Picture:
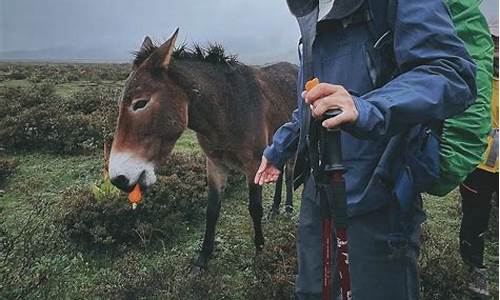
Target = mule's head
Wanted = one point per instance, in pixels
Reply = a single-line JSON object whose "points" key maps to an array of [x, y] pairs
{"points": [[152, 116]]}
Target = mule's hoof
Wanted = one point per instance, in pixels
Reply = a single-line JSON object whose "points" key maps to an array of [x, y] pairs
{"points": [[197, 270], [259, 249]]}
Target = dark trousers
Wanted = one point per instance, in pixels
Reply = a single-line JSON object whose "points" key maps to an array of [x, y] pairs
{"points": [[378, 270], [476, 192]]}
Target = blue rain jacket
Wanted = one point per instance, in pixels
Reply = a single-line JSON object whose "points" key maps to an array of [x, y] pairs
{"points": [[435, 80]]}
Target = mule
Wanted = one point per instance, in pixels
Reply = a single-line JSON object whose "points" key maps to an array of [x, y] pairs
{"points": [[233, 108]]}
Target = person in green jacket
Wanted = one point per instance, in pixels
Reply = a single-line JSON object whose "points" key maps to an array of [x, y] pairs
{"points": [[464, 137], [480, 185]]}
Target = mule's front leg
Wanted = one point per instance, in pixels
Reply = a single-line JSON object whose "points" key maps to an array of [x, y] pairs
{"points": [[216, 183], [275, 210], [289, 187], [255, 208]]}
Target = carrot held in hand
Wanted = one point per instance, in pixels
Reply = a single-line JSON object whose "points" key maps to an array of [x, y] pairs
{"points": [[311, 84]]}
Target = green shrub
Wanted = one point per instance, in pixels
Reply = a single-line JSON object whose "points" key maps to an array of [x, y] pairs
{"points": [[64, 73], [17, 75], [7, 167], [174, 202], [30, 254], [38, 119]]}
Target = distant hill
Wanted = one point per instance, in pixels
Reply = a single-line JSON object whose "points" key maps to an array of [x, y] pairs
{"points": [[66, 54], [69, 54]]}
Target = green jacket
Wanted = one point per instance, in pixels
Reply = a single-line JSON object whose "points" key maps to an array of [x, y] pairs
{"points": [[464, 137]]}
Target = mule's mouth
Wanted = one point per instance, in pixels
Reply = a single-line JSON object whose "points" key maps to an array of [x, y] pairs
{"points": [[126, 170], [123, 183], [141, 181]]}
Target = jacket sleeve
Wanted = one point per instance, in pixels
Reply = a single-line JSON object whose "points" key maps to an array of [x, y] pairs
{"points": [[437, 75], [285, 142]]}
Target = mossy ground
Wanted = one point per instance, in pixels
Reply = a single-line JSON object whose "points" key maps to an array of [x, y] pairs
{"points": [[38, 260]]}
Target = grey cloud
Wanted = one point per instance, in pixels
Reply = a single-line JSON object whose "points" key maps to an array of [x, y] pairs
{"points": [[258, 31]]}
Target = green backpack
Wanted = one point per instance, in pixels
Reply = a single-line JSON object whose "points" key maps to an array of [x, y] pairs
{"points": [[464, 137]]}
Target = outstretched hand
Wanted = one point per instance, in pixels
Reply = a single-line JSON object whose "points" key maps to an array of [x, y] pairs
{"points": [[267, 172]]}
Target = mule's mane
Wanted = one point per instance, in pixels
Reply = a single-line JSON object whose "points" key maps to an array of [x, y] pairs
{"points": [[214, 53], [143, 53]]}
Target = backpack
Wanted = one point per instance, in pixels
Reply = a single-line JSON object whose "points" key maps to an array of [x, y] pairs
{"points": [[440, 155], [464, 137]]}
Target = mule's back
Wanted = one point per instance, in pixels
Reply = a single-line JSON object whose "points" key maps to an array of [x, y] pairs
{"points": [[239, 103]]}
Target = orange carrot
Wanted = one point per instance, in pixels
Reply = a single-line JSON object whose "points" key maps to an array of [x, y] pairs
{"points": [[135, 196], [311, 84]]}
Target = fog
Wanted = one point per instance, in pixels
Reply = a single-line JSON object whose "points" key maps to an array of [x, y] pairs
{"points": [[257, 31]]}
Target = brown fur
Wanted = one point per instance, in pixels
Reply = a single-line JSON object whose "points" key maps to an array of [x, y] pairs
{"points": [[234, 110]]}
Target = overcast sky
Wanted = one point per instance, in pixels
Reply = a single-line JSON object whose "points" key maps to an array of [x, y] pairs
{"points": [[257, 30]]}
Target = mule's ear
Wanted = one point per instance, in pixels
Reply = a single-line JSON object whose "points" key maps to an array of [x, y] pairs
{"points": [[166, 50], [147, 43], [143, 53]]}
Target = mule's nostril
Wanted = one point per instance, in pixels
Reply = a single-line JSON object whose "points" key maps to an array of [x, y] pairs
{"points": [[121, 182]]}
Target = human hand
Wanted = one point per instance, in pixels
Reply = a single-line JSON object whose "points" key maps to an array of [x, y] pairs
{"points": [[324, 97], [266, 173]]}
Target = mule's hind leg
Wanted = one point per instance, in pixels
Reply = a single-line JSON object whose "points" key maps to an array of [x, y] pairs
{"points": [[289, 186], [256, 211], [217, 176], [275, 210]]}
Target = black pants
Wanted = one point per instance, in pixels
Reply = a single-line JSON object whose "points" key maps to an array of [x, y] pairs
{"points": [[476, 191]]}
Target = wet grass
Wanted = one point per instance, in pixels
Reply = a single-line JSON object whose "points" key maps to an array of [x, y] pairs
{"points": [[38, 260], [160, 269], [443, 271]]}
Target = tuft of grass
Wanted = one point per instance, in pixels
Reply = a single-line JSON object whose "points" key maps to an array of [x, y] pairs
{"points": [[188, 144], [103, 190]]}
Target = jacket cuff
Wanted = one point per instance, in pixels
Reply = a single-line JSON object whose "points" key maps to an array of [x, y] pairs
{"points": [[274, 156], [368, 117]]}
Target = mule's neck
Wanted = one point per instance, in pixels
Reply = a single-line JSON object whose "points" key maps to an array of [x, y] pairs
{"points": [[204, 84]]}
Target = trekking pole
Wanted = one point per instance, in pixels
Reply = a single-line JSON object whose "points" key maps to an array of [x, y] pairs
{"points": [[334, 171], [333, 204]]}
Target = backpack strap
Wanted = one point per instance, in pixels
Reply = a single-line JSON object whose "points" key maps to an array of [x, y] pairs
{"points": [[381, 26], [383, 16]]}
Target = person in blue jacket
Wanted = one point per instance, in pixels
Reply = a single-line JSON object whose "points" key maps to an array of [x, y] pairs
{"points": [[386, 82]]}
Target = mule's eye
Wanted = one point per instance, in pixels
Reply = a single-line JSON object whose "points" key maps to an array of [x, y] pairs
{"points": [[139, 104]]}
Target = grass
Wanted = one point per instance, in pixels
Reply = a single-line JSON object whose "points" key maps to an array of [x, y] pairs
{"points": [[68, 88], [441, 258], [46, 177], [234, 271], [188, 143], [160, 269], [64, 89], [21, 83]]}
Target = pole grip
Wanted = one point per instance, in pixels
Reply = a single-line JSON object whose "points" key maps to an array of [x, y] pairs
{"points": [[332, 113]]}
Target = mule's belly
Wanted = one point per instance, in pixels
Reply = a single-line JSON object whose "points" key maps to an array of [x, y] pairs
{"points": [[241, 158]]}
